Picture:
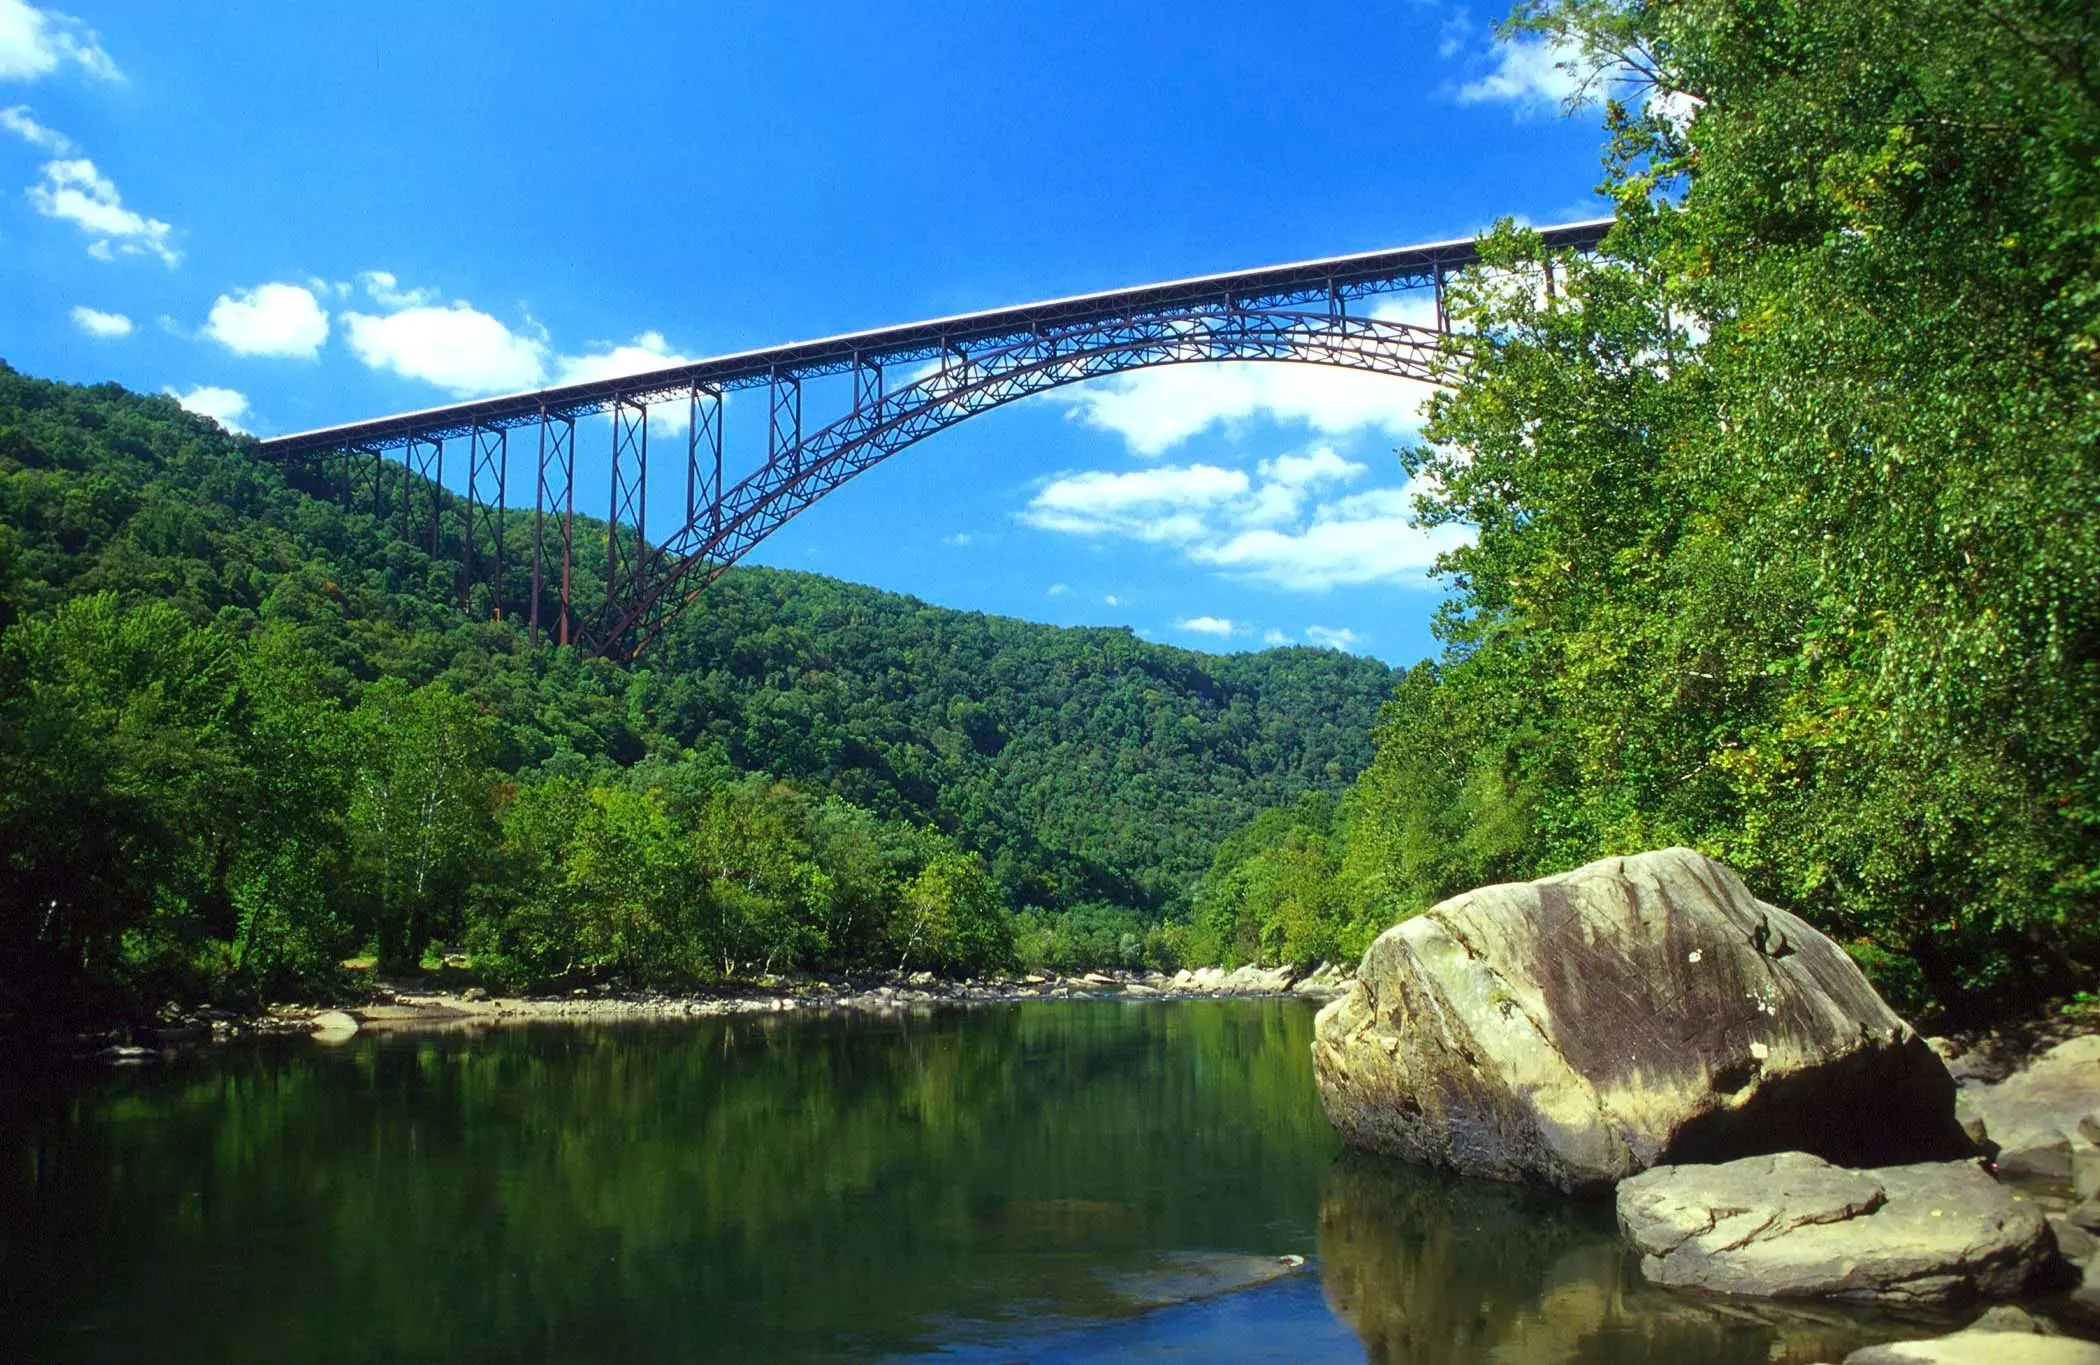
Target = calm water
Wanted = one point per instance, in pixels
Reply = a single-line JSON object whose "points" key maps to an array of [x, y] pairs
{"points": [[1083, 1181]]}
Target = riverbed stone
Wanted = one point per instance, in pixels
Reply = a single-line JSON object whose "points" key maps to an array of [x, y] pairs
{"points": [[2042, 1119], [1795, 1226], [2002, 1336], [333, 1026], [1581, 1028]]}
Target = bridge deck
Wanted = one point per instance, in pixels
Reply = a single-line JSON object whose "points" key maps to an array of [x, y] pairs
{"points": [[1277, 286]]}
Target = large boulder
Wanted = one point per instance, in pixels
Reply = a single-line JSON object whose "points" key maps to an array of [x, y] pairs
{"points": [[1581, 1028], [1795, 1226]]}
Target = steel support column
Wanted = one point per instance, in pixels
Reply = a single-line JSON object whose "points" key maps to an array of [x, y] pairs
{"points": [[488, 470], [703, 455], [422, 457], [558, 494], [784, 431], [867, 383], [628, 506]]}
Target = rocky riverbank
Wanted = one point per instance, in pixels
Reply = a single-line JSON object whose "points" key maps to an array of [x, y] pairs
{"points": [[1769, 1128], [406, 1004]]}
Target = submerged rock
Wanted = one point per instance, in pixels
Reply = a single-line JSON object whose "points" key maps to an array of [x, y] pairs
{"points": [[1581, 1028], [2003, 1336], [1795, 1226]]}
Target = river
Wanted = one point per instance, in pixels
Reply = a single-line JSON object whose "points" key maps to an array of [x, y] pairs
{"points": [[1072, 1181]]}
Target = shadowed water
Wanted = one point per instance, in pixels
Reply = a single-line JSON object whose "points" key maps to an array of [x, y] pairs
{"points": [[1071, 1182]]}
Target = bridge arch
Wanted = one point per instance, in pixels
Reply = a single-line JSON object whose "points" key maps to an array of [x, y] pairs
{"points": [[716, 536], [957, 368]]}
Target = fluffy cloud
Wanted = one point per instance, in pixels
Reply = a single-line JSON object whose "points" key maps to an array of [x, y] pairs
{"points": [[1154, 410], [1150, 504], [459, 348], [1273, 636], [225, 406], [1058, 590], [35, 42], [270, 319], [383, 289], [19, 121], [647, 352], [1291, 527], [1208, 625], [97, 323], [74, 191], [1333, 637], [1365, 538], [1528, 72]]}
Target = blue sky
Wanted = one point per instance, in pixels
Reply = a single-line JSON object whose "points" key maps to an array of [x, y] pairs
{"points": [[292, 215]]}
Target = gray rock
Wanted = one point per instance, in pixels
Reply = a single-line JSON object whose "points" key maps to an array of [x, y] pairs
{"points": [[2075, 1243], [1795, 1226], [2037, 1117], [333, 1026], [2006, 1318], [1985, 1344], [2087, 1295], [1581, 1028]]}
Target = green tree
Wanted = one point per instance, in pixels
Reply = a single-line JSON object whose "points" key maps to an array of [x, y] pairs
{"points": [[419, 815]]}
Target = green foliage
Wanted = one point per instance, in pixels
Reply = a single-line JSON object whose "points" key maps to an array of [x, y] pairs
{"points": [[1788, 502], [244, 732]]}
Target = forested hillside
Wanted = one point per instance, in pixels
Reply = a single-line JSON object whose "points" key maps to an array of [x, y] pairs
{"points": [[1788, 506], [244, 731]]}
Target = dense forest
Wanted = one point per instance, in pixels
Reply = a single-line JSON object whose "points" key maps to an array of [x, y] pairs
{"points": [[246, 733], [1788, 509]]}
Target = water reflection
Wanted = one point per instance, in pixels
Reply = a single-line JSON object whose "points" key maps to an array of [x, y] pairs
{"points": [[725, 1190], [1055, 1182], [1431, 1270]]}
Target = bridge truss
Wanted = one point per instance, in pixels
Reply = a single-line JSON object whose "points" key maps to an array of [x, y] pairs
{"points": [[906, 383]]}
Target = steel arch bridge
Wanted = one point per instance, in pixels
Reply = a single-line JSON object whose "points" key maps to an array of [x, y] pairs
{"points": [[952, 369]]}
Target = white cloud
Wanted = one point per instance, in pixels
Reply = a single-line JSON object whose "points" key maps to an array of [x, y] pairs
{"points": [[383, 289], [1156, 409], [1527, 72], [1112, 600], [1058, 590], [1365, 538], [1258, 529], [1150, 504], [959, 539], [225, 406], [270, 319], [97, 323], [1333, 637], [1316, 466], [1273, 636], [647, 352], [1208, 625], [35, 42], [459, 348], [75, 192], [19, 121]]}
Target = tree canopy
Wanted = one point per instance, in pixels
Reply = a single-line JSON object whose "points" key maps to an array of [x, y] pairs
{"points": [[1786, 503]]}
